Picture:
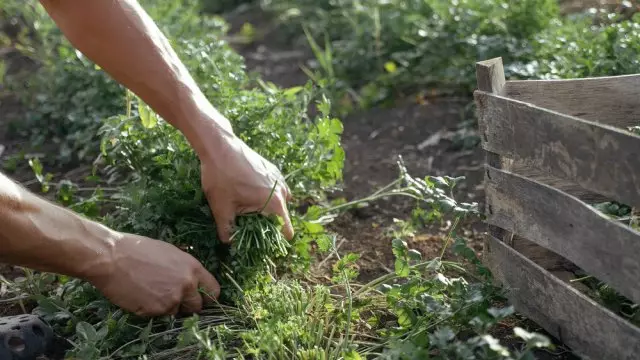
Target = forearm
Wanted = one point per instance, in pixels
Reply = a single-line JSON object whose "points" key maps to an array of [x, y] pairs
{"points": [[37, 234], [122, 39]]}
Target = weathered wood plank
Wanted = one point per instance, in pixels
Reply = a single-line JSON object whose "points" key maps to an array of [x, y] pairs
{"points": [[589, 329], [568, 186], [490, 75], [608, 250], [598, 157], [612, 100], [490, 78]]}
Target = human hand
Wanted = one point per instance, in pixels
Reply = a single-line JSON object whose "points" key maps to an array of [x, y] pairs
{"points": [[153, 278], [237, 180]]}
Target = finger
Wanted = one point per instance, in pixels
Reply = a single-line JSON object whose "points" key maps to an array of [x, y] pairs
{"points": [[225, 218], [287, 229], [279, 208], [208, 285], [192, 301], [173, 311], [287, 193]]}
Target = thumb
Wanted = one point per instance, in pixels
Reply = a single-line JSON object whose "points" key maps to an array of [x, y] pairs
{"points": [[225, 217]]}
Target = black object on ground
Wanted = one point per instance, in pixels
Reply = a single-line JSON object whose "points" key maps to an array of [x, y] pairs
{"points": [[24, 337]]}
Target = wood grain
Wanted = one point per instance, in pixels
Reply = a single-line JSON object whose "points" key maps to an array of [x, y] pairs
{"points": [[568, 186], [598, 157], [606, 249], [490, 75], [591, 331], [612, 100]]}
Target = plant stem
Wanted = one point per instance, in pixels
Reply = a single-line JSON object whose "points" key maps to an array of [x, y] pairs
{"points": [[448, 240], [375, 196]]}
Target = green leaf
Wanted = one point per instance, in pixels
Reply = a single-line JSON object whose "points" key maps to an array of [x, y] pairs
{"points": [[147, 116], [440, 181], [404, 318], [290, 92], [415, 255], [390, 67], [533, 340], [324, 106], [351, 258], [324, 243], [247, 30], [443, 335], [447, 204], [494, 345], [103, 332], [351, 355], [500, 314], [3, 71], [144, 335], [399, 248], [87, 332], [36, 166], [402, 267], [48, 305], [314, 228]]}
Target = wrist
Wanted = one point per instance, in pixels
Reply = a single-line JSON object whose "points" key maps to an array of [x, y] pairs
{"points": [[208, 132], [97, 255]]}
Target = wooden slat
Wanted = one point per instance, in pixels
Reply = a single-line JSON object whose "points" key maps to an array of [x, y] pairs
{"points": [[540, 176], [590, 330], [490, 75], [597, 157], [613, 100], [490, 78], [606, 249]]}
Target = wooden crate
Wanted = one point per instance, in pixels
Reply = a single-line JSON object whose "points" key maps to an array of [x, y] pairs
{"points": [[552, 147]]}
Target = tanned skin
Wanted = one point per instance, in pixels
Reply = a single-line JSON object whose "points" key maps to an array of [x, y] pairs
{"points": [[141, 275]]}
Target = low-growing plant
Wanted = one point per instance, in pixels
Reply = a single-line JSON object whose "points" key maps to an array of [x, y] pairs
{"points": [[384, 49]]}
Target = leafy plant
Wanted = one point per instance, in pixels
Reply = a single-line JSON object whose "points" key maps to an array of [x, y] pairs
{"points": [[382, 49]]}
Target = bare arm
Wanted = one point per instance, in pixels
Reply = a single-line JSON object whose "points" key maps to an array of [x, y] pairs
{"points": [[122, 38], [40, 235], [144, 276]]}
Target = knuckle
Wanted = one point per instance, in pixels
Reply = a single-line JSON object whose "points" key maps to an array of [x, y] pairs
{"points": [[174, 299]]}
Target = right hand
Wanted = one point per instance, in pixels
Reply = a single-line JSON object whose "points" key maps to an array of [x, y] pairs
{"points": [[237, 180], [154, 278]]}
